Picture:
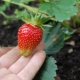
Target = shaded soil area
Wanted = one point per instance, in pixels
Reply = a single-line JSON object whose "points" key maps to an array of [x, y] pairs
{"points": [[68, 59], [8, 33]]}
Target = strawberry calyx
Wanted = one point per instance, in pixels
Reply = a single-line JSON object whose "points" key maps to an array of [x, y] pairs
{"points": [[37, 20]]}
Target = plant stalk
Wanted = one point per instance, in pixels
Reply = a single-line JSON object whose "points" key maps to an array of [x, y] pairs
{"points": [[32, 9]]}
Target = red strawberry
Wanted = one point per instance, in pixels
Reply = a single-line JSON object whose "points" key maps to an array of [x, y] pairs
{"points": [[29, 37]]}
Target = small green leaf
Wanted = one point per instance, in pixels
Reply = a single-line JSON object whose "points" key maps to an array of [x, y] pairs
{"points": [[61, 9], [47, 71], [4, 6], [21, 14], [68, 33], [5, 22]]}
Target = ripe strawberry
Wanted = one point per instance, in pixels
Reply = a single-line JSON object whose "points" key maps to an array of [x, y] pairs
{"points": [[29, 37]]}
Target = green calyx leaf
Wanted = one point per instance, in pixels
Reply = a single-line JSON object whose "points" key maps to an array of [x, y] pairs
{"points": [[38, 20], [60, 9], [48, 70]]}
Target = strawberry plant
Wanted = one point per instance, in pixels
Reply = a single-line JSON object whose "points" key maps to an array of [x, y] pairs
{"points": [[44, 23]]}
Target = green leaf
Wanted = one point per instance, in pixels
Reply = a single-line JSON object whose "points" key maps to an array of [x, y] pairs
{"points": [[4, 6], [53, 38], [68, 33], [60, 9], [21, 14], [55, 46], [49, 32], [47, 71]]}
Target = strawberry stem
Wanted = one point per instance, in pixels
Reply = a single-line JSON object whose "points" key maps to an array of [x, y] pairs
{"points": [[31, 9]]}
